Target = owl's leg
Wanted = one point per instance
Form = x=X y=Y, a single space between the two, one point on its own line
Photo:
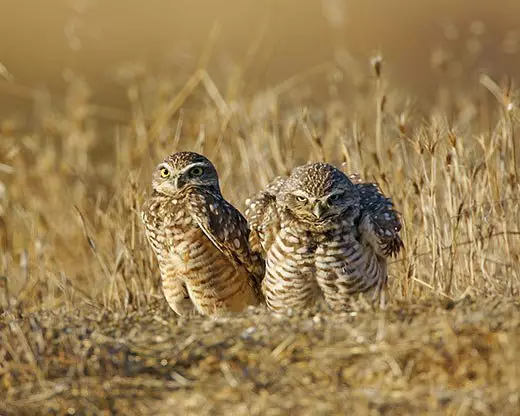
x=382 y=299
x=381 y=290
x=177 y=296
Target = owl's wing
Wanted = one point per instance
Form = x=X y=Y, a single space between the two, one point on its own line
x=227 y=229
x=263 y=218
x=379 y=223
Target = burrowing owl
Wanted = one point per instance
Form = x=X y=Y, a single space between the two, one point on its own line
x=323 y=236
x=200 y=240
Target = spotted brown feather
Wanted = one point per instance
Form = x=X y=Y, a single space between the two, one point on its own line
x=227 y=228
x=379 y=223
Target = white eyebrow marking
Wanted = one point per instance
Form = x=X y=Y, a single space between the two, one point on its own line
x=187 y=168
x=300 y=192
x=164 y=165
x=337 y=192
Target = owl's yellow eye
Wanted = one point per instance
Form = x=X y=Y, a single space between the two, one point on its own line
x=164 y=173
x=196 y=171
x=301 y=198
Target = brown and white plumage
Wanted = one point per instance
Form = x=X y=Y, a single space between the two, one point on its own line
x=380 y=223
x=323 y=236
x=200 y=240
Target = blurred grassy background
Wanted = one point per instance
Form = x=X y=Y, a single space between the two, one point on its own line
x=276 y=38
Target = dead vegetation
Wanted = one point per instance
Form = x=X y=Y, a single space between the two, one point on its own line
x=425 y=356
x=84 y=330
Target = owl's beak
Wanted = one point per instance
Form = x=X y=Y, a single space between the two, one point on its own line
x=318 y=209
x=177 y=182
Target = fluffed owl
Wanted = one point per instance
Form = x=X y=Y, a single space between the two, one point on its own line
x=324 y=236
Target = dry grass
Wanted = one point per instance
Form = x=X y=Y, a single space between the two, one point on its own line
x=428 y=356
x=84 y=329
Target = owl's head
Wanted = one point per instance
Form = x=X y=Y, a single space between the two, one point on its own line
x=182 y=171
x=318 y=193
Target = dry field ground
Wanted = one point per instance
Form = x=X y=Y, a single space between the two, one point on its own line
x=83 y=326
